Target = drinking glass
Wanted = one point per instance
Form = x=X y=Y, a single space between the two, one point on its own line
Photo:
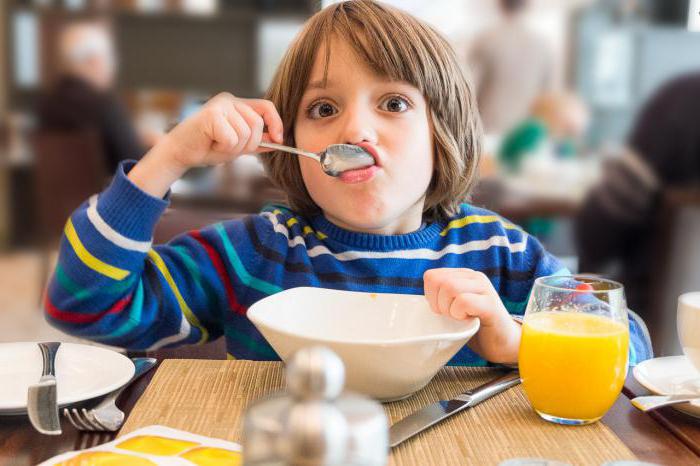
x=574 y=347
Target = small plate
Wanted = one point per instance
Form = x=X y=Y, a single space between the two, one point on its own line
x=82 y=372
x=668 y=376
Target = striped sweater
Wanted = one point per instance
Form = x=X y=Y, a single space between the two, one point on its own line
x=113 y=286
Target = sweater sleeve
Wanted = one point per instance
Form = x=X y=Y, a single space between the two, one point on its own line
x=112 y=286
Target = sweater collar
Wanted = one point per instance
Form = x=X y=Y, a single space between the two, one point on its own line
x=368 y=241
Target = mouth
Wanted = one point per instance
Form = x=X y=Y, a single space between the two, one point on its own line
x=371 y=150
x=362 y=174
x=358 y=176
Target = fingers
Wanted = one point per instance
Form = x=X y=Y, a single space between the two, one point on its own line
x=255 y=123
x=468 y=305
x=430 y=290
x=247 y=119
x=224 y=136
x=265 y=138
x=459 y=293
x=270 y=116
x=451 y=296
x=219 y=122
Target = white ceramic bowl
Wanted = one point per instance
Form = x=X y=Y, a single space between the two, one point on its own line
x=391 y=344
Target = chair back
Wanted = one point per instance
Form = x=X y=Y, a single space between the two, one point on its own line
x=69 y=168
x=677 y=268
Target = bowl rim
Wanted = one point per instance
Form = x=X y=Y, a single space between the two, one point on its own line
x=468 y=332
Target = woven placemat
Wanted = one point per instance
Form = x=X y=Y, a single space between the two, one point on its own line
x=210 y=397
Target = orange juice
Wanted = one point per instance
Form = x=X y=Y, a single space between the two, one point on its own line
x=573 y=365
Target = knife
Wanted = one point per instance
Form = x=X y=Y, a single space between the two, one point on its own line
x=438 y=411
x=42 y=405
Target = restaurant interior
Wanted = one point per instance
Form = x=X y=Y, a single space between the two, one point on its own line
x=576 y=115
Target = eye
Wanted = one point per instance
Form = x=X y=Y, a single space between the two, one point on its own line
x=321 y=110
x=395 y=104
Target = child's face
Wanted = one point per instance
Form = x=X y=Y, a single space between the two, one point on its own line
x=390 y=120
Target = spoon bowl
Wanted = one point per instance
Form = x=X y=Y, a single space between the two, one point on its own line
x=336 y=159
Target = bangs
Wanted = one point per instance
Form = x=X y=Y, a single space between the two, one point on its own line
x=396 y=47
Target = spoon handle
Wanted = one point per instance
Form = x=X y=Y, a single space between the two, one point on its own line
x=271 y=145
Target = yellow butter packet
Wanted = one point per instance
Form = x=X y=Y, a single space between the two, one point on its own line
x=105 y=458
x=156 y=445
x=210 y=456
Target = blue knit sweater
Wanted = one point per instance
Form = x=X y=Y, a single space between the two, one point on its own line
x=113 y=286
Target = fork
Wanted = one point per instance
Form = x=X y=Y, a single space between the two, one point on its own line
x=106 y=416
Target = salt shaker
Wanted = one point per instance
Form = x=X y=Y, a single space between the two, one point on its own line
x=315 y=423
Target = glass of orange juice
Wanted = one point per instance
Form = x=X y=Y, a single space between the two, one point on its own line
x=574 y=347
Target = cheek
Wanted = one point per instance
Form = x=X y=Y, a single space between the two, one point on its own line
x=309 y=138
x=417 y=149
x=301 y=137
x=314 y=178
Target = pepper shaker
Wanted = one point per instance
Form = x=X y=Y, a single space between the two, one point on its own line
x=315 y=423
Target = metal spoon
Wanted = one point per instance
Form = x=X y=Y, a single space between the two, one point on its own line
x=648 y=403
x=336 y=159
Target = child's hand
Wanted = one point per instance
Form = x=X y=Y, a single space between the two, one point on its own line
x=465 y=294
x=224 y=128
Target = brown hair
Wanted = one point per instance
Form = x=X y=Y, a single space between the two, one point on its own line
x=400 y=47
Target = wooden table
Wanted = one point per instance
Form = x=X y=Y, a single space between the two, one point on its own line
x=683 y=427
x=667 y=438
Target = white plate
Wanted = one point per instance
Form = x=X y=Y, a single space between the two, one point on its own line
x=82 y=372
x=668 y=376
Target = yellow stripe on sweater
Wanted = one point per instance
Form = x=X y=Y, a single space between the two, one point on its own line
x=88 y=259
x=307 y=230
x=186 y=311
x=469 y=219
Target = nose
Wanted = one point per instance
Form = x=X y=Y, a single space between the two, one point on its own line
x=358 y=125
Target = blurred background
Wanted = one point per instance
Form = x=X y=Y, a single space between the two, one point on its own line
x=590 y=109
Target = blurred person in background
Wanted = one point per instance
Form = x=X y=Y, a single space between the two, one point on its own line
x=617 y=223
x=540 y=146
x=510 y=66
x=553 y=129
x=83 y=97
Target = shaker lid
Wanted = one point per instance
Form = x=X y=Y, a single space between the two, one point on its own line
x=315 y=373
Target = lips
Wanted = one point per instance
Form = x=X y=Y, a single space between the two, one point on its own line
x=359 y=175
x=363 y=174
